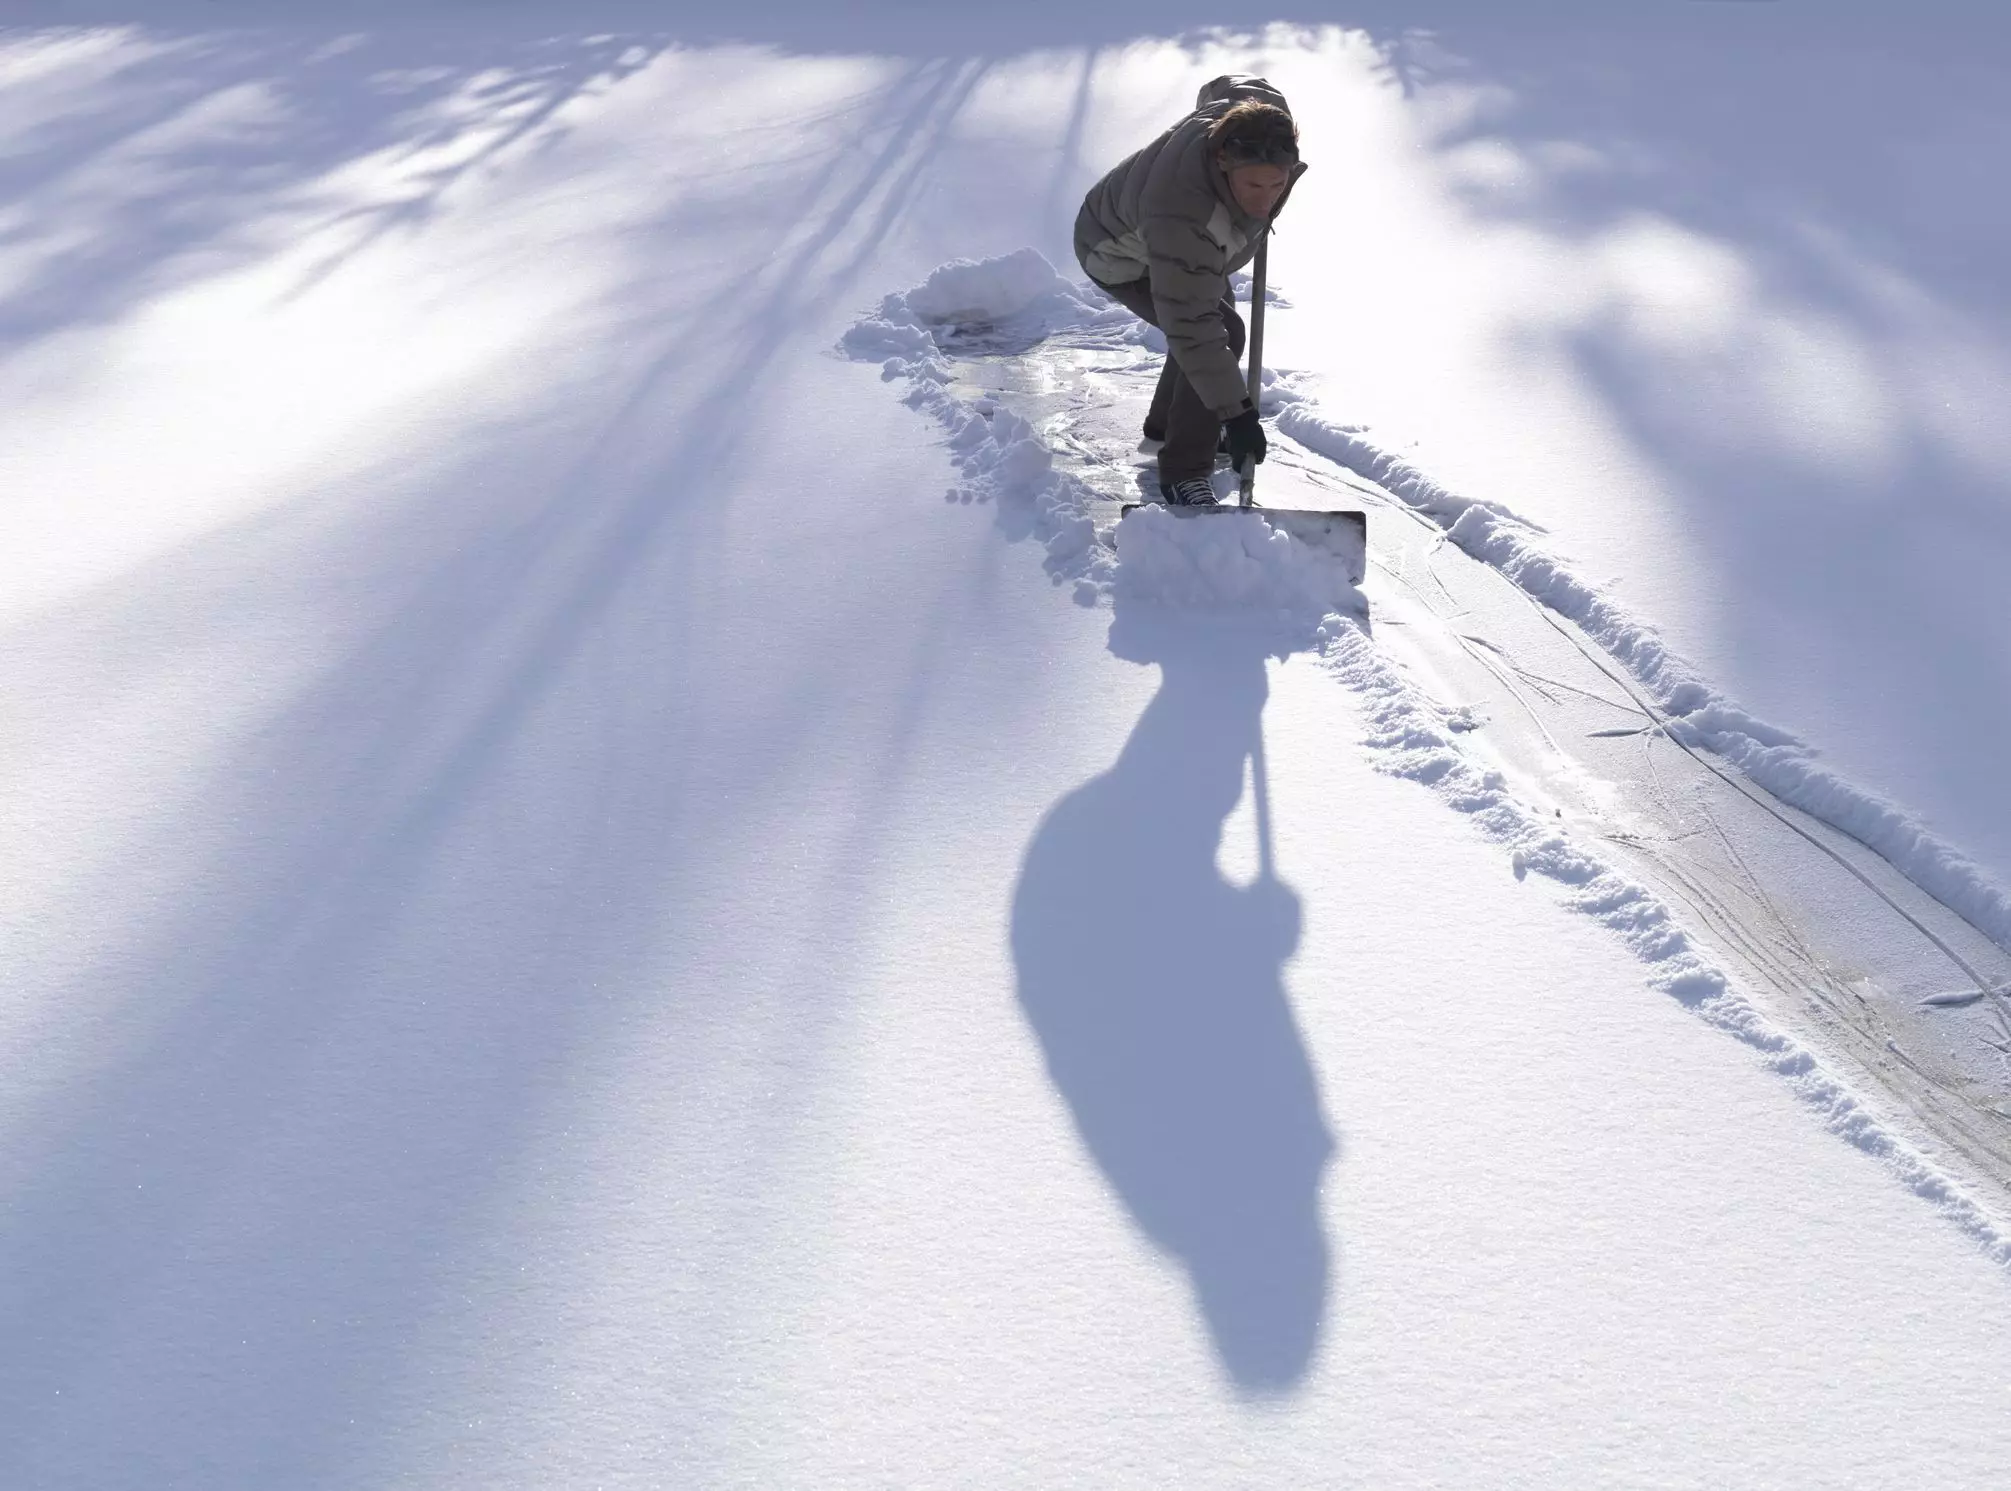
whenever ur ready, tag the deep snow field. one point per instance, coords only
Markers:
(615, 871)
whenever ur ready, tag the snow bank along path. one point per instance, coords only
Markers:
(1244, 565)
(1692, 710)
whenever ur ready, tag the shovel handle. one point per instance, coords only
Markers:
(1248, 471)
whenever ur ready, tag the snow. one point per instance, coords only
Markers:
(569, 921)
(1770, 756)
(1708, 348)
(1227, 560)
(1406, 739)
(990, 289)
(1018, 297)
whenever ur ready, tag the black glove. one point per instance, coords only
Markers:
(1243, 436)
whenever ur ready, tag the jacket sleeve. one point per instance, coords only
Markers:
(1190, 279)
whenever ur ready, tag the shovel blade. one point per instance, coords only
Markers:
(1345, 535)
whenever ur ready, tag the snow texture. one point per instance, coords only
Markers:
(1227, 560)
(568, 922)
(1692, 711)
(1219, 562)
(999, 458)
(1234, 562)
(977, 292)
(1409, 737)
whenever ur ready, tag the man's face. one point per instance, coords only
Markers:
(1257, 188)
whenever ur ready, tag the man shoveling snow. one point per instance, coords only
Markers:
(1162, 233)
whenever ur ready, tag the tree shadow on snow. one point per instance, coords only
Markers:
(1155, 987)
(230, 1249)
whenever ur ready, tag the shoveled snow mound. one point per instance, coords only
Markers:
(1226, 560)
(1223, 561)
(999, 456)
(1020, 291)
(977, 290)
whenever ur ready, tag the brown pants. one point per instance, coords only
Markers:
(1189, 427)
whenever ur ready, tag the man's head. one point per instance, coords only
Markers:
(1257, 188)
(1256, 145)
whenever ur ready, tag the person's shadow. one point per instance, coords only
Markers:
(1154, 986)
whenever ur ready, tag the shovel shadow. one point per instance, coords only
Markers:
(1154, 986)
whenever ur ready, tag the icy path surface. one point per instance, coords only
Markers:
(570, 921)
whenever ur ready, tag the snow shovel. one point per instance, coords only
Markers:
(1345, 535)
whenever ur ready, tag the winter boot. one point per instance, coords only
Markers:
(1195, 491)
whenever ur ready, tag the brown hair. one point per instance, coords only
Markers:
(1252, 132)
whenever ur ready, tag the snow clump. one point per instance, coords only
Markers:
(1226, 560)
(971, 291)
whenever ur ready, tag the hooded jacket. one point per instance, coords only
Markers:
(1167, 211)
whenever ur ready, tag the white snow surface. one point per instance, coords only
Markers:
(565, 919)
(1226, 561)
(1697, 712)
(1233, 564)
(1012, 284)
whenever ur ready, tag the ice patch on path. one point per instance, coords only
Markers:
(1693, 712)
(1227, 560)
(1408, 737)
